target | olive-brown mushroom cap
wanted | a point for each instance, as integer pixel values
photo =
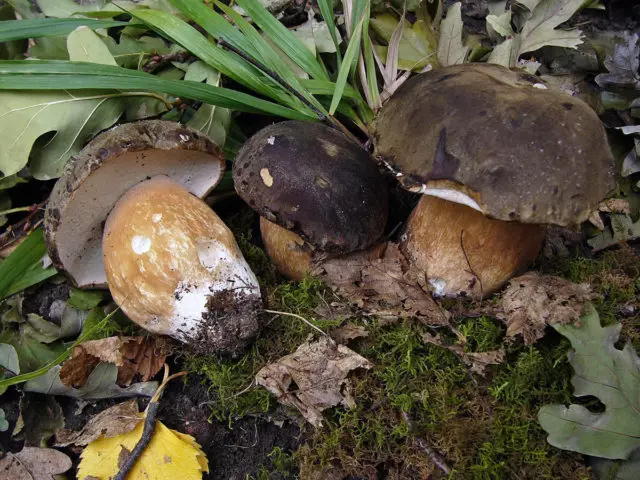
(175, 268)
(104, 170)
(461, 251)
(286, 249)
(313, 180)
(498, 140)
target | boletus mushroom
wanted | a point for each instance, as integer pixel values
(318, 193)
(513, 153)
(169, 261)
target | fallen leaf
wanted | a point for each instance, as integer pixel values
(169, 454)
(380, 282)
(348, 332)
(313, 378)
(134, 356)
(33, 463)
(623, 65)
(119, 419)
(476, 361)
(533, 301)
(451, 49)
(607, 373)
(622, 229)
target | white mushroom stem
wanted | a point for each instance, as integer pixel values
(175, 269)
(462, 252)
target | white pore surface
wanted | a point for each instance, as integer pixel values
(79, 235)
(229, 271)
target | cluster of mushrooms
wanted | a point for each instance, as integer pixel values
(496, 154)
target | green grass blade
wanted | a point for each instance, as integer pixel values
(350, 56)
(43, 74)
(23, 268)
(322, 87)
(49, 27)
(284, 39)
(326, 9)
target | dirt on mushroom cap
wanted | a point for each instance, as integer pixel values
(520, 150)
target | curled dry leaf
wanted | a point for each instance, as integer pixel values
(380, 282)
(34, 463)
(533, 301)
(119, 419)
(348, 332)
(143, 356)
(476, 361)
(313, 378)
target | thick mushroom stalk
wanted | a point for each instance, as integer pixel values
(286, 249)
(175, 269)
(462, 252)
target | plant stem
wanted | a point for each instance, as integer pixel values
(299, 317)
(30, 208)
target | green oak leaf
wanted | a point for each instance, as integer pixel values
(608, 373)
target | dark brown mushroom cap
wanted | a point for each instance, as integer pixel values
(313, 180)
(104, 170)
(517, 148)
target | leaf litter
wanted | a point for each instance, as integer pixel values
(34, 463)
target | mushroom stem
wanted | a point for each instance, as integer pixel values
(462, 252)
(286, 250)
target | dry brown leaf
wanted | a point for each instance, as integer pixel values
(142, 356)
(476, 361)
(34, 463)
(120, 418)
(348, 332)
(313, 378)
(615, 205)
(380, 282)
(533, 301)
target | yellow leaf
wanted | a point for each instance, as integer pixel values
(169, 454)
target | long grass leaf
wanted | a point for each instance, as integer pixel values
(49, 27)
(43, 74)
(369, 67)
(350, 56)
(284, 39)
(326, 9)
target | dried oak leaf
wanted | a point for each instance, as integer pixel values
(348, 332)
(533, 301)
(476, 361)
(142, 356)
(34, 463)
(313, 378)
(381, 283)
(119, 419)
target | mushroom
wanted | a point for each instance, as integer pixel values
(502, 144)
(171, 264)
(318, 191)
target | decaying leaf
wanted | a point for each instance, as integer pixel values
(623, 65)
(119, 419)
(451, 49)
(476, 361)
(622, 229)
(348, 332)
(33, 463)
(169, 454)
(533, 301)
(610, 205)
(611, 375)
(381, 283)
(313, 378)
(134, 356)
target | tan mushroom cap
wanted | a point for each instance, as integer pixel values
(286, 250)
(104, 170)
(462, 252)
(171, 263)
(500, 141)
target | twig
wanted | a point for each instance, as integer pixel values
(471, 271)
(150, 419)
(437, 459)
(158, 61)
(21, 229)
(299, 317)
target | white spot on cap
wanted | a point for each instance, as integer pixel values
(271, 140)
(140, 244)
(266, 177)
(156, 217)
(541, 86)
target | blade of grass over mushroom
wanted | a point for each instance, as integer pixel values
(350, 57)
(23, 268)
(49, 27)
(284, 39)
(326, 9)
(371, 87)
(42, 74)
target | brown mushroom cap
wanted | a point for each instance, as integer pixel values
(175, 269)
(286, 250)
(463, 252)
(499, 141)
(313, 180)
(104, 170)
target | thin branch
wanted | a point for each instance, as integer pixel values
(158, 61)
(471, 271)
(437, 459)
(299, 317)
